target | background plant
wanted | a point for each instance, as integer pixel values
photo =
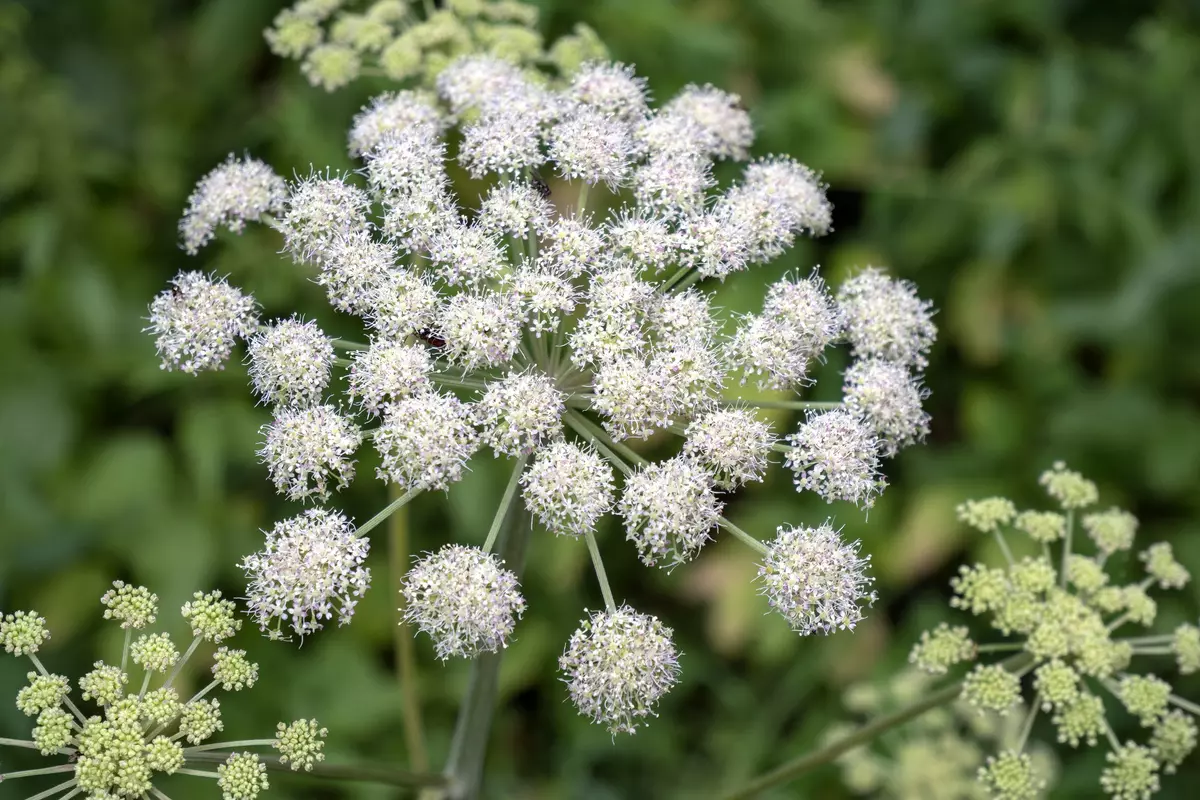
(1032, 167)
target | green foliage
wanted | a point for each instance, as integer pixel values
(1032, 165)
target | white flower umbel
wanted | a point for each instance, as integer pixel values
(308, 451)
(886, 319)
(520, 413)
(568, 488)
(387, 372)
(425, 441)
(290, 363)
(196, 323)
(889, 398)
(236, 192)
(836, 455)
(733, 444)
(815, 580)
(670, 511)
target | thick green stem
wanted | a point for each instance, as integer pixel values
(53, 790)
(599, 433)
(1066, 554)
(29, 773)
(790, 405)
(862, 735)
(366, 773)
(468, 748)
(744, 537)
(402, 642)
(581, 204)
(344, 344)
(391, 508)
(682, 285)
(573, 420)
(1008, 556)
(65, 751)
(204, 748)
(1186, 705)
(510, 491)
(601, 575)
(125, 648)
(179, 664)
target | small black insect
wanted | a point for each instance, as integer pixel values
(430, 338)
(539, 184)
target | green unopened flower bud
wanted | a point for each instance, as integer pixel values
(514, 43)
(200, 719)
(135, 607)
(43, 692)
(360, 32)
(1019, 612)
(104, 684)
(1049, 639)
(571, 52)
(234, 672)
(1069, 488)
(1033, 576)
(987, 515)
(1111, 530)
(210, 617)
(125, 712)
(1131, 774)
(1139, 606)
(512, 11)
(979, 589)
(466, 8)
(300, 744)
(54, 731)
(1162, 566)
(163, 755)
(1186, 646)
(1057, 684)
(1086, 574)
(1173, 740)
(1144, 696)
(161, 705)
(401, 59)
(292, 35)
(1080, 721)
(1108, 600)
(154, 652)
(1042, 526)
(23, 633)
(331, 66)
(941, 649)
(1011, 776)
(389, 11)
(242, 777)
(992, 688)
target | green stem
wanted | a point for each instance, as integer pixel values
(344, 344)
(53, 790)
(861, 735)
(1186, 705)
(601, 434)
(200, 694)
(670, 282)
(601, 575)
(343, 362)
(573, 421)
(196, 773)
(790, 405)
(179, 664)
(65, 751)
(402, 643)
(1066, 555)
(29, 773)
(204, 748)
(1008, 556)
(581, 205)
(1000, 647)
(682, 285)
(37, 662)
(367, 773)
(510, 491)
(125, 648)
(743, 536)
(390, 509)
(468, 747)
(1034, 707)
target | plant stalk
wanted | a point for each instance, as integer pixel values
(402, 642)
(366, 773)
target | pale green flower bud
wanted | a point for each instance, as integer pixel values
(292, 34)
(401, 59)
(1033, 576)
(571, 52)
(980, 589)
(511, 42)
(200, 719)
(104, 684)
(300, 744)
(54, 731)
(331, 66)
(987, 515)
(1131, 774)
(1162, 566)
(1011, 776)
(42, 693)
(1173, 740)
(1057, 685)
(1019, 612)
(163, 755)
(232, 670)
(1080, 721)
(1042, 526)
(161, 706)
(1069, 488)
(1186, 647)
(1139, 606)
(1085, 574)
(1111, 530)
(135, 607)
(1108, 600)
(361, 32)
(242, 777)
(941, 649)
(154, 652)
(992, 688)
(23, 633)
(1145, 697)
(210, 617)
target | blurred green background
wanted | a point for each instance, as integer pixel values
(1033, 165)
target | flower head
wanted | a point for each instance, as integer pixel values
(885, 319)
(815, 580)
(290, 363)
(425, 441)
(234, 193)
(568, 488)
(520, 413)
(196, 323)
(669, 510)
(836, 455)
(307, 451)
(732, 443)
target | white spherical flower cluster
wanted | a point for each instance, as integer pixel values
(670, 511)
(815, 580)
(425, 441)
(520, 413)
(309, 571)
(290, 363)
(464, 600)
(618, 665)
(196, 324)
(568, 488)
(733, 444)
(836, 455)
(236, 192)
(553, 322)
(308, 451)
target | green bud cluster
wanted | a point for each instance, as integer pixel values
(122, 747)
(1063, 616)
(336, 43)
